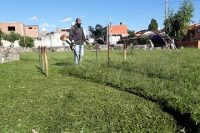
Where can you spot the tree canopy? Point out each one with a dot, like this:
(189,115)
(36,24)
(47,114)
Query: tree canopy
(97,32)
(177,23)
(153,25)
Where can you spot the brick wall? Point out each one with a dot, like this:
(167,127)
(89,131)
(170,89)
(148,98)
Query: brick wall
(20,28)
(32,31)
(191,44)
(15,27)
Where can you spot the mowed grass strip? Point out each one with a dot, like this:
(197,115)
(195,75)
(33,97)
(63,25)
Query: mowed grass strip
(29,100)
(172,77)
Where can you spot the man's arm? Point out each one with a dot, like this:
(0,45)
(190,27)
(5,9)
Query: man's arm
(71,34)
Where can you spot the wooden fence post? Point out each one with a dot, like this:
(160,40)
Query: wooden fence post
(46,61)
(108,43)
(125,50)
(43,60)
(40,58)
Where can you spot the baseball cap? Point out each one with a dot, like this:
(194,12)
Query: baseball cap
(78,20)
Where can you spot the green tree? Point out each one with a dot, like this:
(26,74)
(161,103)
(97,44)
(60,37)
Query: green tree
(131,33)
(26,41)
(177,23)
(153,25)
(12,37)
(98,33)
(1,36)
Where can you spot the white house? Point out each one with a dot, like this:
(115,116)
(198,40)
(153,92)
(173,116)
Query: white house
(116,32)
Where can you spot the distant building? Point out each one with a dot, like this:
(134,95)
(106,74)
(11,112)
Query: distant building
(192,39)
(194,31)
(116,32)
(119,30)
(32,31)
(20,28)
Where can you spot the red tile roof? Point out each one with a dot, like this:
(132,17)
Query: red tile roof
(119,29)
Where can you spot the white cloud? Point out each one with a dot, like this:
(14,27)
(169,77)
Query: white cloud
(43,29)
(66,19)
(34,18)
(73,23)
(45,25)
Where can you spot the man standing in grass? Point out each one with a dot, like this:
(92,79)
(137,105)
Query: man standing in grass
(77,37)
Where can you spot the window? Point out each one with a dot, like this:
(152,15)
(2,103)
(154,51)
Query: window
(198,30)
(30,28)
(11,28)
(63,30)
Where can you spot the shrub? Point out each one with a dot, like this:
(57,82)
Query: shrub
(26,42)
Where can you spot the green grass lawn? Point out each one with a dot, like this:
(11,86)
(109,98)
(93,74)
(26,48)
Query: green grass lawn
(63,103)
(171,79)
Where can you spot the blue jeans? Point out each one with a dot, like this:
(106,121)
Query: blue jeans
(78,53)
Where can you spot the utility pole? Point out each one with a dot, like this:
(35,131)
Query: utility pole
(166,9)
(24,41)
(108,43)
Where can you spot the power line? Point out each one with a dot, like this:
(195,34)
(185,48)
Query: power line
(161,4)
(166,9)
(141,12)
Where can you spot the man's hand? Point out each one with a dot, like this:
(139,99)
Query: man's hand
(72,46)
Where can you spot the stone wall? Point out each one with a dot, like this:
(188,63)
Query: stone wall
(9,55)
(58,49)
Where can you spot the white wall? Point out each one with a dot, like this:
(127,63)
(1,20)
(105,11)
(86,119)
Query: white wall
(114,39)
(37,43)
(8,44)
(51,40)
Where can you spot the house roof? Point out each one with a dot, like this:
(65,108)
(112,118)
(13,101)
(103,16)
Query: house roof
(194,26)
(31,25)
(119,29)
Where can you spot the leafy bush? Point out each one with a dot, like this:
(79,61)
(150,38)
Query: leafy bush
(143,40)
(12,37)
(1,36)
(26,42)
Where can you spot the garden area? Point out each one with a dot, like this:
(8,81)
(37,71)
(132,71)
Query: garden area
(152,91)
